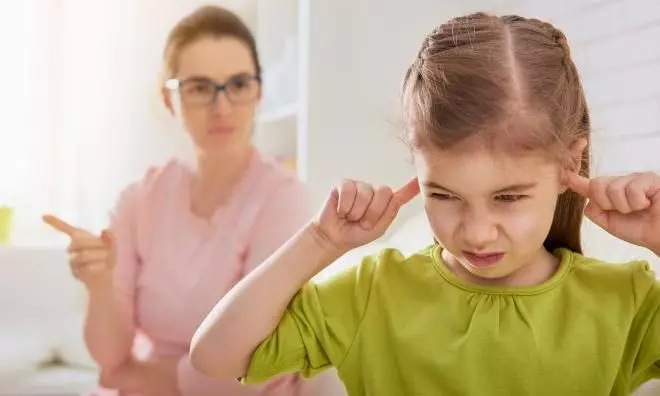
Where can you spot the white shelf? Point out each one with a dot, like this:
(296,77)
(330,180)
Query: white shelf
(278,114)
(277,133)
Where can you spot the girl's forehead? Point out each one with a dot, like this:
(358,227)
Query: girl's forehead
(482,165)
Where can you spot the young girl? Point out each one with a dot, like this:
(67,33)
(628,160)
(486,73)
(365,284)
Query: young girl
(504,303)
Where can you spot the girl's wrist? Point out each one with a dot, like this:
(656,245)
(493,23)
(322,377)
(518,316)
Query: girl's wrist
(327,252)
(325,245)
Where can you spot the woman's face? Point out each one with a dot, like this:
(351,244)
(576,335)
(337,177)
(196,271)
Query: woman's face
(218,121)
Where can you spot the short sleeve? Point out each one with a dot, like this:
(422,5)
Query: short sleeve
(318,328)
(285,212)
(644,339)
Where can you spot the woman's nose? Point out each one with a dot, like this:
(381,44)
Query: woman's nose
(221,105)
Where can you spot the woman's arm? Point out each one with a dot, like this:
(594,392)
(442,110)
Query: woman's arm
(109,328)
(92,260)
(108,332)
(152,377)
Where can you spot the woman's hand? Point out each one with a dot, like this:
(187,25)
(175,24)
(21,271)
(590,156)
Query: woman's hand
(153,377)
(91,257)
(357,213)
(628,207)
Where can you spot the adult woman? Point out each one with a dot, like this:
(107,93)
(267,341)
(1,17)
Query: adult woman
(183,235)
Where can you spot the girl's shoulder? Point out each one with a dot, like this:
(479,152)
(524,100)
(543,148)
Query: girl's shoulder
(602,267)
(633,276)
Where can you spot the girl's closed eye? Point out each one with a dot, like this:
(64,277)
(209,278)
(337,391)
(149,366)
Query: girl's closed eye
(442,196)
(509,198)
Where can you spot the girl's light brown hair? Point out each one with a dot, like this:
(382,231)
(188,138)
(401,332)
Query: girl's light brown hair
(509,81)
(206,21)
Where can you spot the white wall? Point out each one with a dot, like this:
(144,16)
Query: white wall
(80,83)
(358,53)
(26,107)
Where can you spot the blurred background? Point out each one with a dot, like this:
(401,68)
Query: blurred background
(82,117)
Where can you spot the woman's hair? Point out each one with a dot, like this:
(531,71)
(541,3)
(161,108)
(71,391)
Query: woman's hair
(510,81)
(206,21)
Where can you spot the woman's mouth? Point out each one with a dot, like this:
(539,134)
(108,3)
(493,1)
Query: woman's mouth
(483,260)
(221,130)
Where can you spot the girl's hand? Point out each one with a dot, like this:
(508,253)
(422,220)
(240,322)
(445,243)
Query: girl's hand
(91,257)
(628,207)
(357,213)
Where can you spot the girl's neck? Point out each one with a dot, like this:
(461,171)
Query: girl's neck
(214,178)
(537,271)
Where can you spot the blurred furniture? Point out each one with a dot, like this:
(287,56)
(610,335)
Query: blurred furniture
(41,313)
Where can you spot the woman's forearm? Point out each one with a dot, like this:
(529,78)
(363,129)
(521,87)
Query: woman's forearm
(108,335)
(145,377)
(251,311)
(126,378)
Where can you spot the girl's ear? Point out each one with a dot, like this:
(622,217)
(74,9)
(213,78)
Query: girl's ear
(574,161)
(576,151)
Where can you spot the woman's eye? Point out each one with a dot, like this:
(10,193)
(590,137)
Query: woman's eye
(510,197)
(238,84)
(199,88)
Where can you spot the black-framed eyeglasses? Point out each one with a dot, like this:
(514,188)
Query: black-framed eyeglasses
(202,91)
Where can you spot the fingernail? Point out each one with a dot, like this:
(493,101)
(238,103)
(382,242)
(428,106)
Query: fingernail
(107,236)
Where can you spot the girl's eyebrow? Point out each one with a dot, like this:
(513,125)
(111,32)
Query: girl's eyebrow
(517,187)
(520,187)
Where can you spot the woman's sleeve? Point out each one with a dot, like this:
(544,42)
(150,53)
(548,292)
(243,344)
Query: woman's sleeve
(286,211)
(123,221)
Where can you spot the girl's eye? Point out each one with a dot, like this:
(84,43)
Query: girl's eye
(510,197)
(442,197)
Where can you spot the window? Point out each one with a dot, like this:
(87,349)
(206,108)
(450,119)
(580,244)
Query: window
(81,116)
